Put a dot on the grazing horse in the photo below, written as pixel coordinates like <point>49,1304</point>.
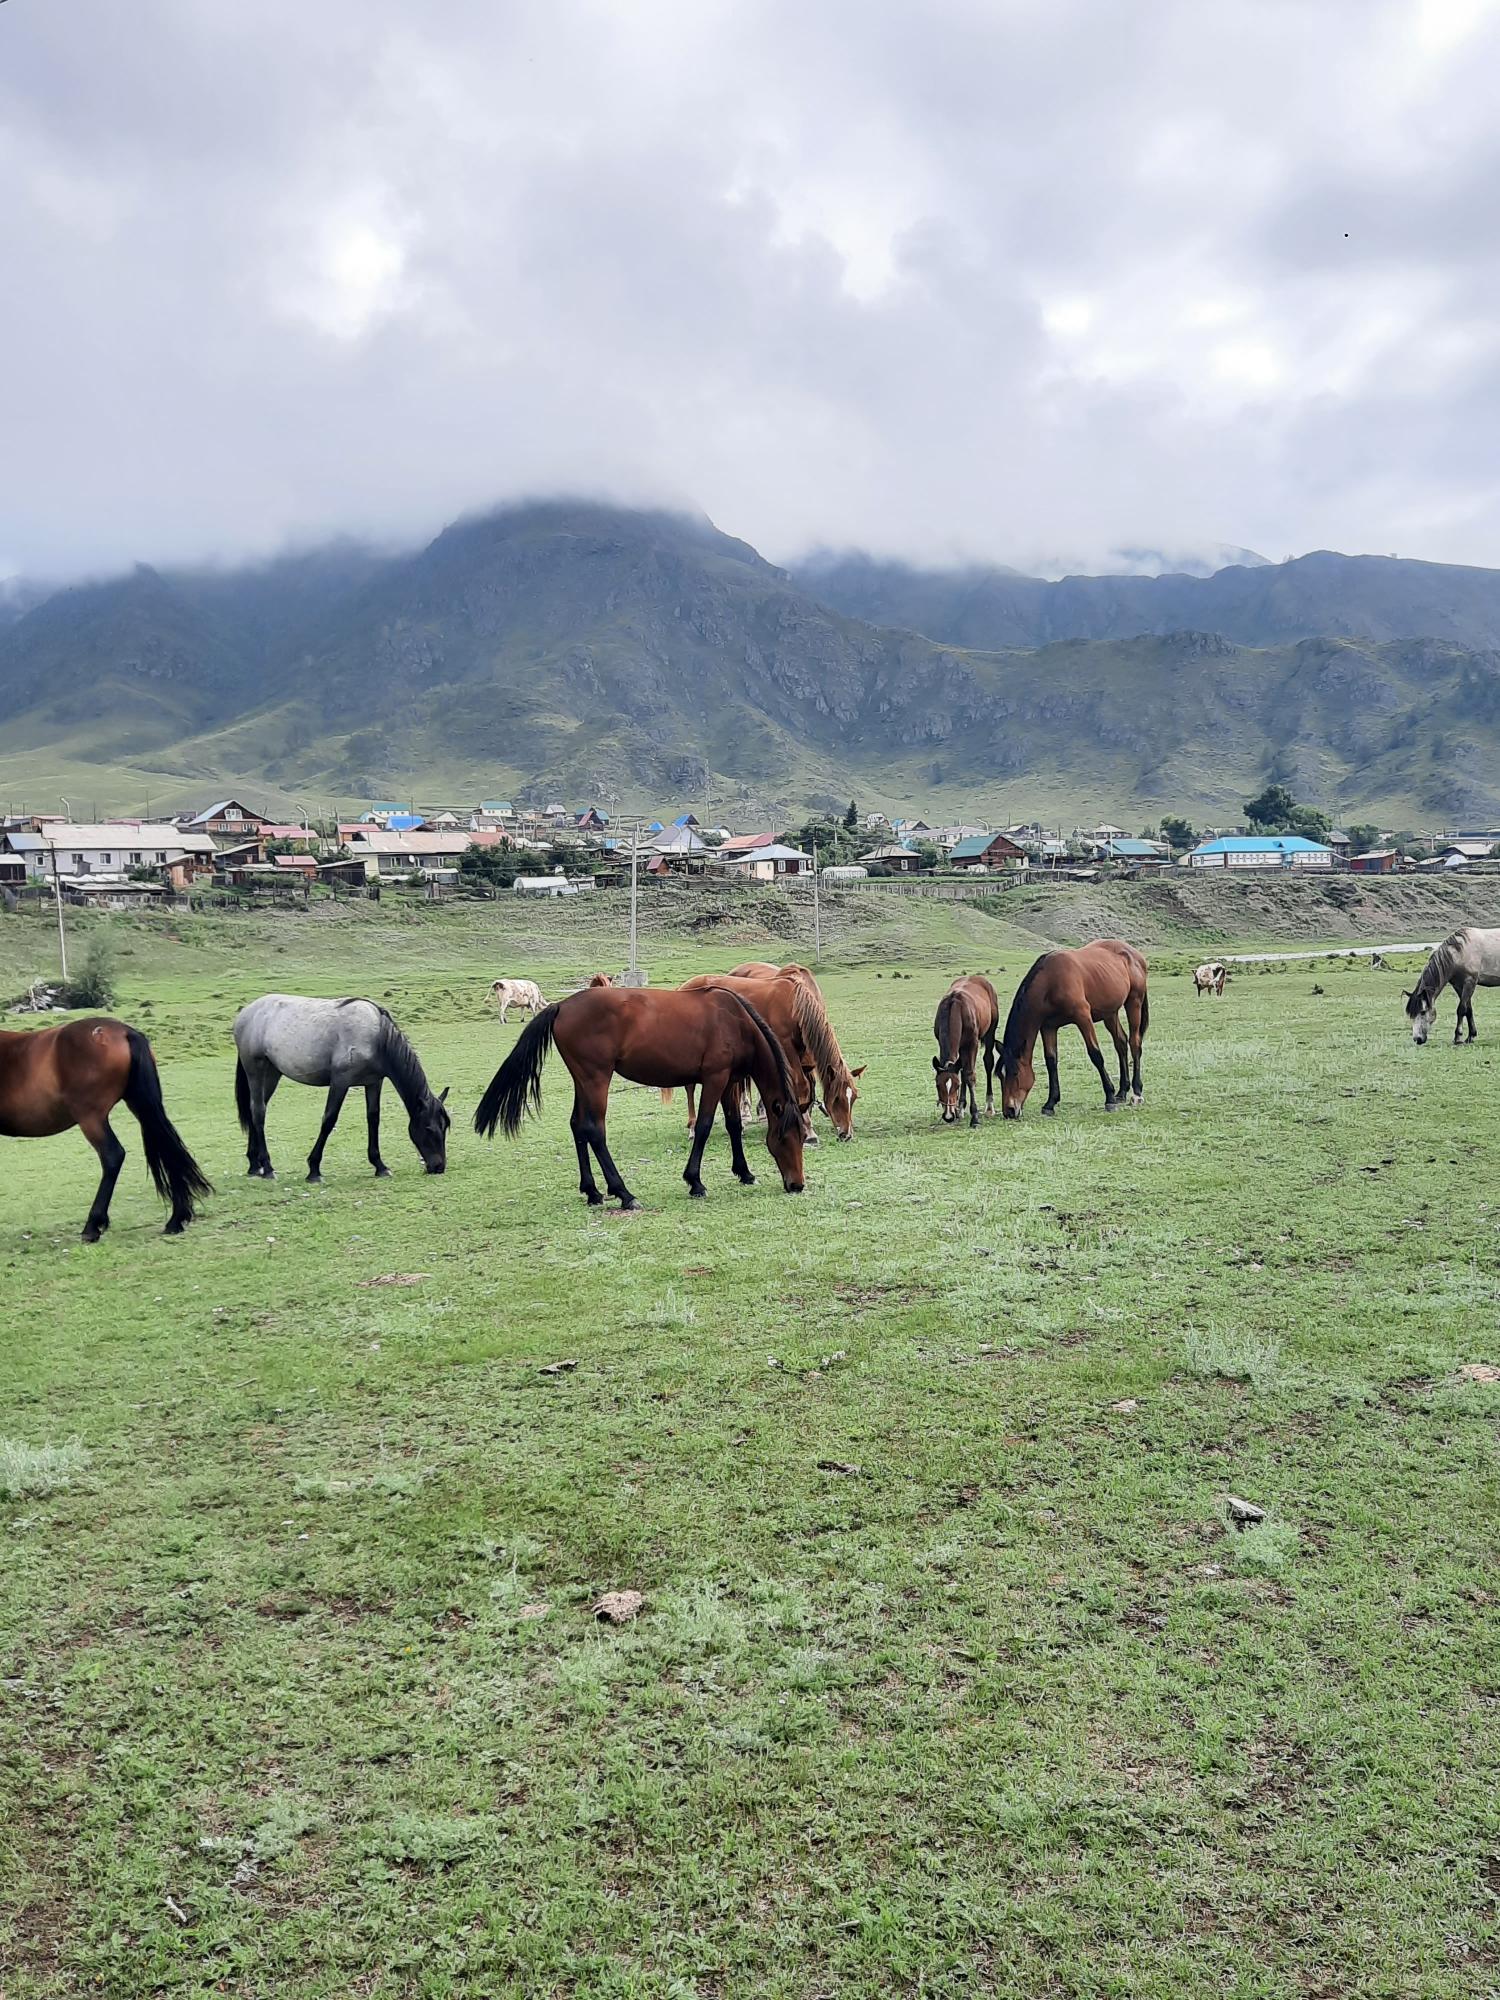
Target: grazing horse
<point>517,993</point>
<point>57,1078</point>
<point>712,1039</point>
<point>1209,978</point>
<point>967,1017</point>
<point>1468,959</point>
<point>792,1002</point>
<point>336,1043</point>
<point>1076,988</point>
<point>600,979</point>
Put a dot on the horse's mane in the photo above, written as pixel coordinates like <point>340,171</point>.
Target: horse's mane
<point>1436,972</point>
<point>817,1032</point>
<point>791,1111</point>
<point>1010,1048</point>
<point>399,1060</point>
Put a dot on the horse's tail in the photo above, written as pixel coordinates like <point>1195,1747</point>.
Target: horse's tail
<point>242,1094</point>
<point>518,1078</point>
<point>177,1175</point>
<point>1145,1009</point>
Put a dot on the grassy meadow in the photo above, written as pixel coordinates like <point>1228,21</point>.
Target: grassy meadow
<point>952,1677</point>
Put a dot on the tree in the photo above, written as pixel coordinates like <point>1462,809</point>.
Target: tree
<point>1177,831</point>
<point>1362,838</point>
<point>851,818</point>
<point>1275,811</point>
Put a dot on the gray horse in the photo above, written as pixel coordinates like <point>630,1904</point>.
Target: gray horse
<point>1468,959</point>
<point>338,1043</point>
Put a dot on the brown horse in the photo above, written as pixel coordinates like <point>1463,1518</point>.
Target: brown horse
<point>668,1039</point>
<point>967,1017</point>
<point>792,1002</point>
<point>1076,988</point>
<point>57,1078</point>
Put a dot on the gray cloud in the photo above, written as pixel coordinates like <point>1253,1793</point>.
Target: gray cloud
<point>991,277</point>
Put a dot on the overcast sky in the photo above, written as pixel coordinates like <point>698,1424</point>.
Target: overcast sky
<point>1004,278</point>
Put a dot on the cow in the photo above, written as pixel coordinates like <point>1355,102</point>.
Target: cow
<point>1210,977</point>
<point>517,993</point>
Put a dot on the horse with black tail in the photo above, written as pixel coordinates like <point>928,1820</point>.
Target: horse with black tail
<point>713,1039</point>
<point>57,1078</point>
<point>1076,989</point>
<point>337,1044</point>
<point>1468,959</point>
<point>967,1017</point>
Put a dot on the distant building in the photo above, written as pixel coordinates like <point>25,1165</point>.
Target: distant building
<point>744,843</point>
<point>1375,861</point>
<point>765,864</point>
<point>1260,850</point>
<point>893,856</point>
<point>229,820</point>
<point>987,850</point>
<point>1135,850</point>
<point>388,852</point>
<point>108,851</point>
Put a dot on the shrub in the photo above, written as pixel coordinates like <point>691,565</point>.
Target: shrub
<point>95,985</point>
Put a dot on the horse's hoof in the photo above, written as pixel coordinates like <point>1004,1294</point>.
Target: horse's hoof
<point>1049,1110</point>
<point>174,1229</point>
<point>699,1193</point>
<point>746,1180</point>
<point>1112,1104</point>
<point>91,1235</point>
<point>382,1173</point>
<point>594,1198</point>
<point>315,1180</point>
<point>629,1202</point>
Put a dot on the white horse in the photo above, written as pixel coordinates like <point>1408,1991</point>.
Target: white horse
<point>517,993</point>
<point>1210,977</point>
<point>339,1043</point>
<point>1468,959</point>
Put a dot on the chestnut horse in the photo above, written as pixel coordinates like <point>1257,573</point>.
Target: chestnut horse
<point>1076,988</point>
<point>76,1075</point>
<point>712,1039</point>
<point>967,1017</point>
<point>792,1002</point>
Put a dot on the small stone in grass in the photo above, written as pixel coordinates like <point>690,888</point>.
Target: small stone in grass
<point>558,1368</point>
<point>1479,1371</point>
<point>1243,1513</point>
<point>533,1611</point>
<point>841,1466</point>
<point>1125,1405</point>
<point>618,1607</point>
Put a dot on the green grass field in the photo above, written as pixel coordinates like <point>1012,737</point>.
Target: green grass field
<point>301,1691</point>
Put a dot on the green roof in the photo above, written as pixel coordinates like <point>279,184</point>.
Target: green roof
<point>971,849</point>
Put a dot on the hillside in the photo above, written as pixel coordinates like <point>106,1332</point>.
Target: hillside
<point>594,652</point>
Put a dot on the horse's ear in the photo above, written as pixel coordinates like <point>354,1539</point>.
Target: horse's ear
<point>936,1064</point>
<point>443,1099</point>
<point>858,1072</point>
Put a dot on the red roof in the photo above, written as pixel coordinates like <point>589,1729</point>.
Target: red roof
<point>742,843</point>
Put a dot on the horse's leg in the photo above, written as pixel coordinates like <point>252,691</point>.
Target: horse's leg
<point>989,1074</point>
<point>263,1082</point>
<point>692,1106</point>
<point>1466,1006</point>
<point>1049,1052</point>
<point>372,1119</point>
<point>595,1111</point>
<point>708,1104</point>
<point>1122,1050</point>
<point>973,1094</point>
<point>734,1125</point>
<point>337,1092</point>
<point>807,1104</point>
<point>587,1185</point>
<point>1134,1009</point>
<point>111,1158</point>
<point>1083,1022</point>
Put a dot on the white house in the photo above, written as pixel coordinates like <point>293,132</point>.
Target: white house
<point>109,850</point>
<point>417,852</point>
<point>765,864</point>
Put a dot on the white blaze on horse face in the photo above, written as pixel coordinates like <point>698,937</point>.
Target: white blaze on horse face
<point>1422,1021</point>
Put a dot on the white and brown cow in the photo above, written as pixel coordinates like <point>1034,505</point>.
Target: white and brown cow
<point>517,993</point>
<point>1210,977</point>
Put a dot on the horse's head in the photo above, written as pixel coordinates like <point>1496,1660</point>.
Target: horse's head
<point>1421,1011</point>
<point>950,1084</point>
<point>1017,1075</point>
<point>839,1100</point>
<point>428,1127</point>
<point>784,1141</point>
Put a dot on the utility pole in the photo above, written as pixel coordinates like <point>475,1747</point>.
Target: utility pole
<point>817,908</point>
<point>62,935</point>
<point>635,849</point>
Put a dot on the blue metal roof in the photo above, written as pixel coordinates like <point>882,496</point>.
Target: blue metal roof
<point>1130,850</point>
<point>403,822</point>
<point>1260,843</point>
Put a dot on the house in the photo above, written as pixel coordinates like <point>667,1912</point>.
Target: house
<point>1135,850</point>
<point>229,820</point>
<point>686,819</point>
<point>679,841</point>
<point>875,822</point>
<point>302,837</point>
<point>1106,832</point>
<point>893,858</point>
<point>109,851</point>
<point>1338,840</point>
<point>911,829</point>
<point>745,843</point>
<point>388,852</point>
<point>590,820</point>
<point>1375,861</point>
<point>491,813</point>
<point>765,864</point>
<point>1259,850</point>
<point>1468,849</point>
<point>987,850</point>
<point>948,837</point>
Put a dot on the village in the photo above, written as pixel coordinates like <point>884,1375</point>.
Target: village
<point>554,850</point>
